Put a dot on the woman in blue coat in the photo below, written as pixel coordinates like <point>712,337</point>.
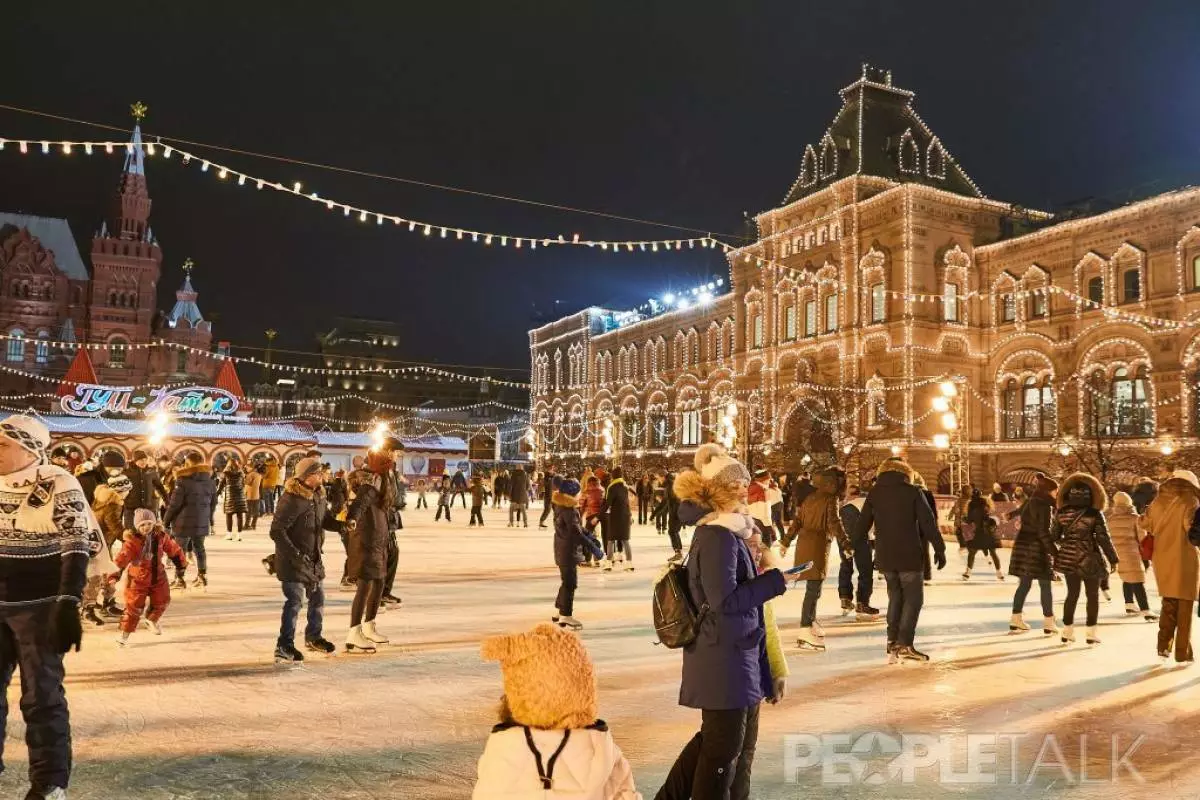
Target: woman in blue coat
<point>725,671</point>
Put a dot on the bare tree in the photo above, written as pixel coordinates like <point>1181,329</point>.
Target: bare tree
<point>1102,449</point>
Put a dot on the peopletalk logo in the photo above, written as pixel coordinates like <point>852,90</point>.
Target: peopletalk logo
<point>875,758</point>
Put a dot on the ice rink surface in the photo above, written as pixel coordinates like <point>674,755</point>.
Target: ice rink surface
<point>202,712</point>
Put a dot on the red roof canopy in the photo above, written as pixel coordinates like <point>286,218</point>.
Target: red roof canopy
<point>80,371</point>
<point>227,379</point>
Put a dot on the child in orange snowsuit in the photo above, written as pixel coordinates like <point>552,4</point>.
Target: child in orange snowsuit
<point>142,552</point>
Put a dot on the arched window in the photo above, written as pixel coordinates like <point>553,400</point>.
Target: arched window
<point>1011,410</point>
<point>1130,414</point>
<point>1095,290</point>
<point>1037,304</point>
<point>789,322</point>
<point>1029,409</point>
<point>1008,308</point>
<point>41,353</point>
<point>878,303</point>
<point>16,345</point>
<point>756,330</point>
<point>1132,282</point>
<point>831,313</point>
<point>810,318</point>
<point>118,348</point>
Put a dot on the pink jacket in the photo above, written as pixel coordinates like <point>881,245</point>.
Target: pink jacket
<point>590,767</point>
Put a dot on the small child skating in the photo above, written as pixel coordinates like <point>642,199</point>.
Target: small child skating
<point>478,498</point>
<point>147,576</point>
<point>549,743</point>
<point>445,497</point>
<point>421,501</point>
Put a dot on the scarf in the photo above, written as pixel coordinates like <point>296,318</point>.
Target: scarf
<point>737,522</point>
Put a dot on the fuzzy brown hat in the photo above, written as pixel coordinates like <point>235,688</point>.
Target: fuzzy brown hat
<point>549,682</point>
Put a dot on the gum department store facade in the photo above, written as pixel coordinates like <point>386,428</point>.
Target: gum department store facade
<point>884,270</point>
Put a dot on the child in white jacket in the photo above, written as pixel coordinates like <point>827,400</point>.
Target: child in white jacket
<point>549,743</point>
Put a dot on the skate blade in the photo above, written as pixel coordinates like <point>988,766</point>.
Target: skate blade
<point>360,650</point>
<point>1014,631</point>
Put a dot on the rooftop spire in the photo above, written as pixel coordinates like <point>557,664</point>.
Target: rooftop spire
<point>135,157</point>
<point>185,300</point>
<point>133,199</point>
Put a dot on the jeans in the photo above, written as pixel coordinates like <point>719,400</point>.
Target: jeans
<point>1092,587</point>
<point>906,595</point>
<point>716,763</point>
<point>1023,587</point>
<point>863,562</point>
<point>24,642</point>
<point>516,511</point>
<point>812,593</point>
<point>194,547</point>
<point>565,602</point>
<point>1136,592</point>
<point>294,594</point>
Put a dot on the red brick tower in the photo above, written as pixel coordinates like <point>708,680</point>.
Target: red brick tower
<point>126,265</point>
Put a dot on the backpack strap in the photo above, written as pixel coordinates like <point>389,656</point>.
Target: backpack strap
<point>546,774</point>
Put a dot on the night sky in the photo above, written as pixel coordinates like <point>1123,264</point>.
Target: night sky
<point>689,113</point>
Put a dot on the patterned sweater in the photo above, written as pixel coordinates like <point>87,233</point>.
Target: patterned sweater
<point>47,532</point>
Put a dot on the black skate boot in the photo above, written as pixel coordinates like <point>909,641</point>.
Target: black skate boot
<point>847,605</point>
<point>201,582</point>
<point>320,645</point>
<point>179,582</point>
<point>91,615</point>
<point>287,654</point>
<point>112,610</point>
<point>866,613</point>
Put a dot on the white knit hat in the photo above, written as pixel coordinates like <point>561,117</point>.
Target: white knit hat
<point>713,463</point>
<point>28,432</point>
<point>1188,476</point>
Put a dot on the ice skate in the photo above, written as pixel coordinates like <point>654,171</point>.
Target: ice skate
<point>1092,636</point>
<point>676,558</point>
<point>847,606</point>
<point>91,615</point>
<point>864,612</point>
<point>1017,625</point>
<point>817,630</point>
<point>892,658</point>
<point>347,585</point>
<point>320,645</point>
<point>111,610</point>
<point>123,639</point>
<point>810,641</point>
<point>1049,627</point>
<point>910,653</point>
<point>391,600</point>
<point>201,582</point>
<point>1150,616</point>
<point>229,537</point>
<point>1131,609</point>
<point>608,566</point>
<point>966,576</point>
<point>569,622</point>
<point>287,654</point>
<point>356,642</point>
<point>179,582</point>
<point>368,630</point>
<point>1068,634</point>
<point>1107,595</point>
<point>238,536</point>
<point>53,793</point>
<point>999,575</point>
<point>152,626</point>
<point>628,566</point>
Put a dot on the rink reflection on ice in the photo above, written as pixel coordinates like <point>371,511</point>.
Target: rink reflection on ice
<point>201,712</point>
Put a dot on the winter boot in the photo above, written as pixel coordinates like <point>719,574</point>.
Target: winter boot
<point>201,582</point>
<point>1048,626</point>
<point>1017,624</point>
<point>320,644</point>
<point>1068,634</point>
<point>810,641</point>
<point>90,614</point>
<point>569,622</point>
<point>356,642</point>
<point>152,626</point>
<point>866,613</point>
<point>847,605</point>
<point>368,629</point>
<point>1131,609</point>
<point>910,653</point>
<point>287,654</point>
<point>967,574</point>
<point>1092,636</point>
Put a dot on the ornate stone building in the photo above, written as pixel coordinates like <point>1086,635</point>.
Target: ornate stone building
<point>884,271</point>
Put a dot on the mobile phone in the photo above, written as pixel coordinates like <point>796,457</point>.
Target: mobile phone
<point>807,565</point>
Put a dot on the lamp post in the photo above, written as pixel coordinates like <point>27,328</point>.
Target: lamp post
<point>950,411</point>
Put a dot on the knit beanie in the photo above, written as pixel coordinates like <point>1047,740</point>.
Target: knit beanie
<point>144,515</point>
<point>714,464</point>
<point>1123,500</point>
<point>549,682</point>
<point>120,484</point>
<point>569,486</point>
<point>27,432</point>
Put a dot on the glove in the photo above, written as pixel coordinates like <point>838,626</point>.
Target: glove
<point>940,560</point>
<point>66,629</point>
<point>780,690</point>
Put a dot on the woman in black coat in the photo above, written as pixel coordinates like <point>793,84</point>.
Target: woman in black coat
<point>618,520</point>
<point>1033,554</point>
<point>368,534</point>
<point>233,483</point>
<point>979,514</point>
<point>189,514</point>
<point>1085,551</point>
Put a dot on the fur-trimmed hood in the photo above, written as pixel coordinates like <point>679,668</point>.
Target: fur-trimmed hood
<point>719,496</point>
<point>192,469</point>
<point>564,500</point>
<point>895,465</point>
<point>294,486</point>
<point>1176,488</point>
<point>1099,496</point>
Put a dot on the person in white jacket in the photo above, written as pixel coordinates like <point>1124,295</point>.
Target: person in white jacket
<point>549,743</point>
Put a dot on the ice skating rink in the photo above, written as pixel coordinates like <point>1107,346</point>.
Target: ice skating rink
<point>202,712</point>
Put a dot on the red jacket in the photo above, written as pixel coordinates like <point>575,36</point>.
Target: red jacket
<point>145,568</point>
<point>591,501</point>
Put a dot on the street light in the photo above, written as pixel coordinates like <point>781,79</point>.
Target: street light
<point>941,404</point>
<point>948,389</point>
<point>950,421</point>
<point>941,441</point>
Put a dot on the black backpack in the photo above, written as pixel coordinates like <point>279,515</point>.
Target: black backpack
<point>677,620</point>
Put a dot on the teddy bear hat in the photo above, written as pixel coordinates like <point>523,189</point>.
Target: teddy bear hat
<point>548,677</point>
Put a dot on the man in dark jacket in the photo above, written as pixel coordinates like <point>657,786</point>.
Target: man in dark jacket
<point>189,515</point>
<point>459,484</point>
<point>111,463</point>
<point>674,525</point>
<point>801,489</point>
<point>147,489</point>
<point>518,496</point>
<point>547,493</point>
<point>903,522</point>
<point>861,559</point>
<point>298,530</point>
